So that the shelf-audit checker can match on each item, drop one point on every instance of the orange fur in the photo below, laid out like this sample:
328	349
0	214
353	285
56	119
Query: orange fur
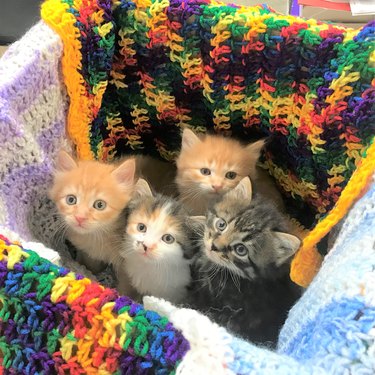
98	237
225	153
90	181
220	155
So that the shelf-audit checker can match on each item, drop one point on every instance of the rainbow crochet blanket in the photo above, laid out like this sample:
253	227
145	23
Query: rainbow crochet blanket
56	321
139	71
53	321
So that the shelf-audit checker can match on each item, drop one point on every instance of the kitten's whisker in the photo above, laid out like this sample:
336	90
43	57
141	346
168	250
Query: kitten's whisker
257	245
220	284
59	235
236	280
191	194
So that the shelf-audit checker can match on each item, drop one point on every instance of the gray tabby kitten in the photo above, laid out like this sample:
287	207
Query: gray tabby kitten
241	276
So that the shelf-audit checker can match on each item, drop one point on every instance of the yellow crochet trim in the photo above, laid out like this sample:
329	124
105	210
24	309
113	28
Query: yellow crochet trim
55	15
307	261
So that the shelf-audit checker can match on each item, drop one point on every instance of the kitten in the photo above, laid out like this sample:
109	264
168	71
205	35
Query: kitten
241	276
158	245
90	197
210	165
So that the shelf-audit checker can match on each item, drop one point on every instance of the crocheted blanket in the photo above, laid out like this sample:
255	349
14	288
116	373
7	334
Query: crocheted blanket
55	321
138	71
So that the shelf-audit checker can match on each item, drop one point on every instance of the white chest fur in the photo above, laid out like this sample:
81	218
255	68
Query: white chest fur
167	280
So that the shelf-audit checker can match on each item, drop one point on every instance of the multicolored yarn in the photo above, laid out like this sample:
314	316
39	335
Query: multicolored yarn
50	317
139	71
53	321
330	330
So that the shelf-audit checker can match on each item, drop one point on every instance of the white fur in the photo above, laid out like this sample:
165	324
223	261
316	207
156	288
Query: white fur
161	272
167	279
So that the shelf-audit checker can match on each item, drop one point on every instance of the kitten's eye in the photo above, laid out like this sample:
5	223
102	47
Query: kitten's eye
231	175
240	249
141	227
99	205
205	171
168	238
220	224
71	199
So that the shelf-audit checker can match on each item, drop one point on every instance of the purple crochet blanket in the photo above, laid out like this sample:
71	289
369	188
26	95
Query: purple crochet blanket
33	106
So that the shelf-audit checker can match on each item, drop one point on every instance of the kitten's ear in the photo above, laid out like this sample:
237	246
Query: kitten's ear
189	139
124	173
255	147
287	245
142	188
243	191
65	162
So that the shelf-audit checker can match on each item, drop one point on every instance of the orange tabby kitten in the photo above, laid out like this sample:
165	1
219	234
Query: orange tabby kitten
210	165
91	197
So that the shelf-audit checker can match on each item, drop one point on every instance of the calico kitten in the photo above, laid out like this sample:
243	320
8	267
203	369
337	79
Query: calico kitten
158	245
241	276
210	165
90	197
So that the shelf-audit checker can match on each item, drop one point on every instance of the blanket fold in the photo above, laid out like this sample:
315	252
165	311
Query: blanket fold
137	72
55	321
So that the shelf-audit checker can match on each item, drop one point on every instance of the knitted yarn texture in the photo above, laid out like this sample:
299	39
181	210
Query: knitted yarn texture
139	71
55	321
33	105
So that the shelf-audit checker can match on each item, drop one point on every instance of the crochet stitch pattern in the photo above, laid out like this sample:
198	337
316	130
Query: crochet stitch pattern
53	321
137	72
330	330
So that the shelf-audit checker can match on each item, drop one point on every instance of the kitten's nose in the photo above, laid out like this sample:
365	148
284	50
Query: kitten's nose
214	248
80	219
217	188
148	246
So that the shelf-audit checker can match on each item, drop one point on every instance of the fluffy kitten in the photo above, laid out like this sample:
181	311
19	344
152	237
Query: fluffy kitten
90	197
158	242
241	276
210	165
